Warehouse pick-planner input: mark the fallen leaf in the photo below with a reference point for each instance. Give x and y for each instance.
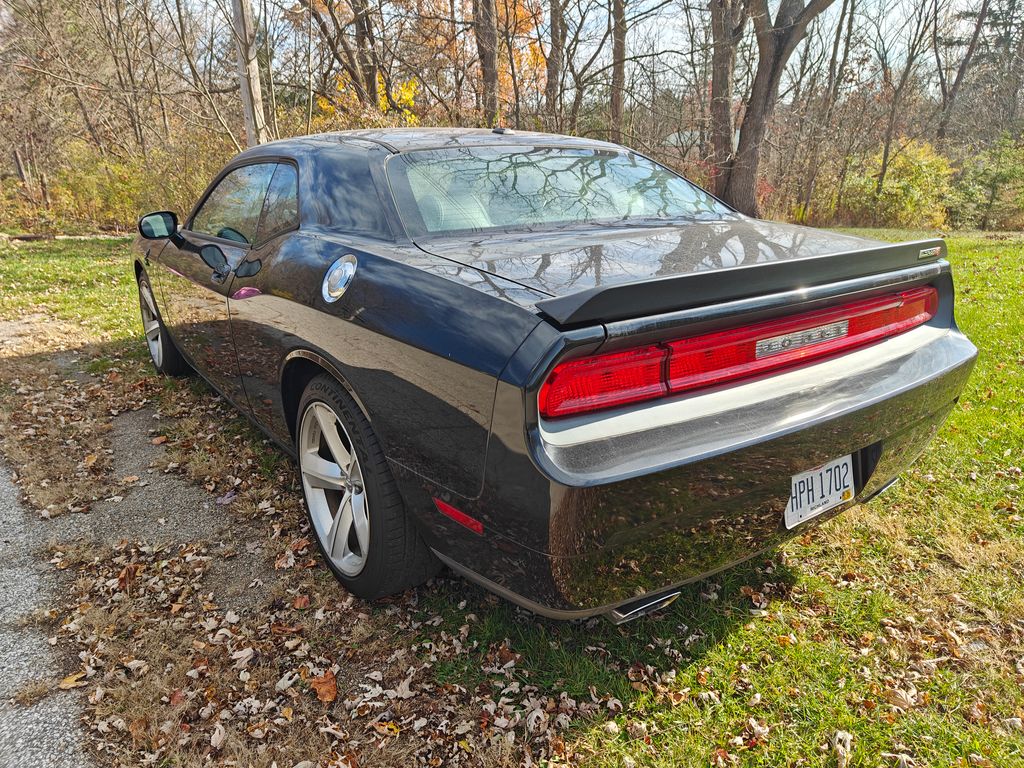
(842, 745)
(326, 687)
(73, 681)
(160, 440)
(218, 736)
(386, 728)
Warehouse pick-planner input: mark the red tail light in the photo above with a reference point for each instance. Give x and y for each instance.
(617, 378)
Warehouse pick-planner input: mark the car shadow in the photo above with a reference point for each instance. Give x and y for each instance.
(581, 658)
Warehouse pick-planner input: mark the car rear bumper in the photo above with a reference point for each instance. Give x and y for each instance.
(587, 526)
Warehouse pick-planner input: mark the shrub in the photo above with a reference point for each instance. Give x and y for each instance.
(92, 191)
(914, 193)
(989, 189)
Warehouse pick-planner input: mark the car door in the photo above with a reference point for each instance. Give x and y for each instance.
(265, 320)
(198, 269)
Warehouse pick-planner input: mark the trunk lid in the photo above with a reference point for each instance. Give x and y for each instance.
(604, 274)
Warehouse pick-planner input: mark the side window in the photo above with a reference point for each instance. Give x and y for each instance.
(346, 194)
(232, 210)
(281, 209)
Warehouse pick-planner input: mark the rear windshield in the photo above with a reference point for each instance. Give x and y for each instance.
(479, 189)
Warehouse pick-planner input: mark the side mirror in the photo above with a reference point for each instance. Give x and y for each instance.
(154, 226)
(214, 258)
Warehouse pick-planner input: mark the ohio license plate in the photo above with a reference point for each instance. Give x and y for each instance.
(818, 490)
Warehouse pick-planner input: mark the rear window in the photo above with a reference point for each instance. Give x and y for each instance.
(479, 189)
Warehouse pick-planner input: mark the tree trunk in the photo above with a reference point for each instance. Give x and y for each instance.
(485, 26)
(364, 43)
(836, 70)
(775, 44)
(553, 63)
(618, 22)
(949, 97)
(249, 74)
(728, 18)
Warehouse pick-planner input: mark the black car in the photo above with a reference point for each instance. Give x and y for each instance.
(547, 362)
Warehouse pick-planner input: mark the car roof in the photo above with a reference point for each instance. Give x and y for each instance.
(408, 139)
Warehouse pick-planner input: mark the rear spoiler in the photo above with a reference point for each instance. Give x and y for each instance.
(666, 294)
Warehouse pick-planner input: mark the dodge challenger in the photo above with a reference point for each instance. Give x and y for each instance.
(549, 363)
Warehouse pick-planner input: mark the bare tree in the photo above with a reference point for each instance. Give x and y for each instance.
(899, 53)
(949, 90)
(553, 62)
(618, 29)
(485, 27)
(249, 73)
(776, 41)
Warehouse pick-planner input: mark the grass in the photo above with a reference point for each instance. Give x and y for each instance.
(900, 623)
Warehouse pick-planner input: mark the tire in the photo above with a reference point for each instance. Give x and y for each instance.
(361, 526)
(162, 350)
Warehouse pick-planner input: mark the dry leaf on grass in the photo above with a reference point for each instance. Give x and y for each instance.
(326, 687)
(76, 680)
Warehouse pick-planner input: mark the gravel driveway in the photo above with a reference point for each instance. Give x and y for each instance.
(46, 732)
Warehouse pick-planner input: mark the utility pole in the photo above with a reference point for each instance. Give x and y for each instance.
(249, 74)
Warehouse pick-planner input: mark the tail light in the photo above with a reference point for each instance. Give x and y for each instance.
(608, 380)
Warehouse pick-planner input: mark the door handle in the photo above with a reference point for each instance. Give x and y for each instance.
(219, 277)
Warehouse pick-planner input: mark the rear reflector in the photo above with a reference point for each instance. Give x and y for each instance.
(613, 379)
(459, 517)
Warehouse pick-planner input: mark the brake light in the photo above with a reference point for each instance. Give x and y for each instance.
(612, 379)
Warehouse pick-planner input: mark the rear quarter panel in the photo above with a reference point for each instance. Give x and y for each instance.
(418, 341)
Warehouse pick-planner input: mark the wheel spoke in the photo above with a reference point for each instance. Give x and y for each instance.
(150, 303)
(340, 528)
(361, 522)
(329, 429)
(321, 473)
(152, 329)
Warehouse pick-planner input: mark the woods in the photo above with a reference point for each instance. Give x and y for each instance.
(857, 112)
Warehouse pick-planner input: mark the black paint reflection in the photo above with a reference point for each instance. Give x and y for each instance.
(560, 263)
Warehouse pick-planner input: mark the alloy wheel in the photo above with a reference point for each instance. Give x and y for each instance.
(335, 493)
(151, 323)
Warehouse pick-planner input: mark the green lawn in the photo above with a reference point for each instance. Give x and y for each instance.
(900, 623)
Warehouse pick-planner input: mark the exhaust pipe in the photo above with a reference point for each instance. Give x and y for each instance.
(641, 607)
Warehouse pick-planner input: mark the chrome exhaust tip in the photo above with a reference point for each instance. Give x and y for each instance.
(641, 607)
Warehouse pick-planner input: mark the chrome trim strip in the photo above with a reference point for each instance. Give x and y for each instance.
(642, 607)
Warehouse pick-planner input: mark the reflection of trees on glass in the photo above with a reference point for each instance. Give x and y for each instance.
(506, 189)
(606, 217)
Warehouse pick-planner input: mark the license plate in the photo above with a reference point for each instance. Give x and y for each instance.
(818, 490)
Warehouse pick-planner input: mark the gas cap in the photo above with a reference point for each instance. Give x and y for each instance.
(338, 277)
